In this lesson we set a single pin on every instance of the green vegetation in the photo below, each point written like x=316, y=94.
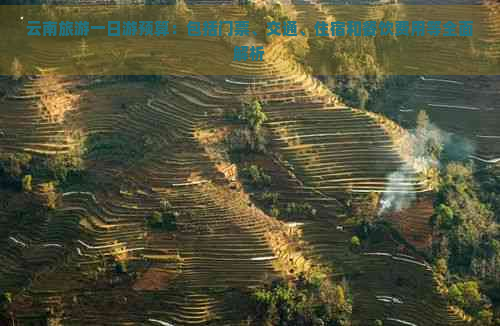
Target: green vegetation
x=5, y=301
x=352, y=60
x=363, y=206
x=250, y=114
x=261, y=15
x=467, y=246
x=313, y=301
x=17, y=170
x=63, y=167
x=115, y=147
x=269, y=198
x=253, y=115
x=467, y=296
x=119, y=148
x=165, y=205
x=5, y=298
x=464, y=225
x=257, y=176
x=270, y=201
x=250, y=138
x=120, y=266
x=355, y=242
x=429, y=139
x=489, y=181
x=299, y=209
x=27, y=183
x=12, y=167
x=163, y=221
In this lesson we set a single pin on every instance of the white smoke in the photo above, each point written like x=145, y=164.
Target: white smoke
x=416, y=151
x=397, y=198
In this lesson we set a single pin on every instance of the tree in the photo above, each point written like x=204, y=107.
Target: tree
x=441, y=266
x=444, y=217
x=378, y=322
x=27, y=183
x=120, y=266
x=165, y=205
x=253, y=115
x=5, y=298
x=355, y=242
x=156, y=219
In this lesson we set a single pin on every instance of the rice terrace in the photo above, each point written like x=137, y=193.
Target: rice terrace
x=340, y=180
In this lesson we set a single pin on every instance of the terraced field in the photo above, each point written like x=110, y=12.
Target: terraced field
x=195, y=275
x=387, y=285
x=451, y=100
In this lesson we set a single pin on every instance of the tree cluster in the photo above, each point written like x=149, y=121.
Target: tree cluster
x=305, y=301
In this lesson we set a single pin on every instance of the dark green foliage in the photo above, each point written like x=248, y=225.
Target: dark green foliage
x=303, y=302
x=163, y=221
x=27, y=183
x=467, y=239
x=253, y=115
x=270, y=202
x=257, y=176
x=357, y=74
x=5, y=298
x=467, y=295
x=355, y=242
x=120, y=266
x=18, y=170
x=5, y=301
x=298, y=209
x=250, y=138
x=444, y=218
x=243, y=141
x=269, y=198
x=63, y=167
x=489, y=179
x=12, y=167
x=165, y=205
x=462, y=220
x=261, y=15
x=114, y=147
x=123, y=149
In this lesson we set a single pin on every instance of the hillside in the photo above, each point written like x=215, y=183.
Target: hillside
x=135, y=201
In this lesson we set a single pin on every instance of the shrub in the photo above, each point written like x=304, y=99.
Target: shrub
x=257, y=176
x=166, y=221
x=120, y=266
x=301, y=302
x=48, y=195
x=269, y=198
x=12, y=166
x=245, y=140
x=275, y=212
x=253, y=115
x=27, y=183
x=156, y=220
x=165, y=205
x=295, y=209
x=5, y=298
x=355, y=242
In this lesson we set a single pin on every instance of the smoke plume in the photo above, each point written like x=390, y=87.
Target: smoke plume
x=425, y=150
